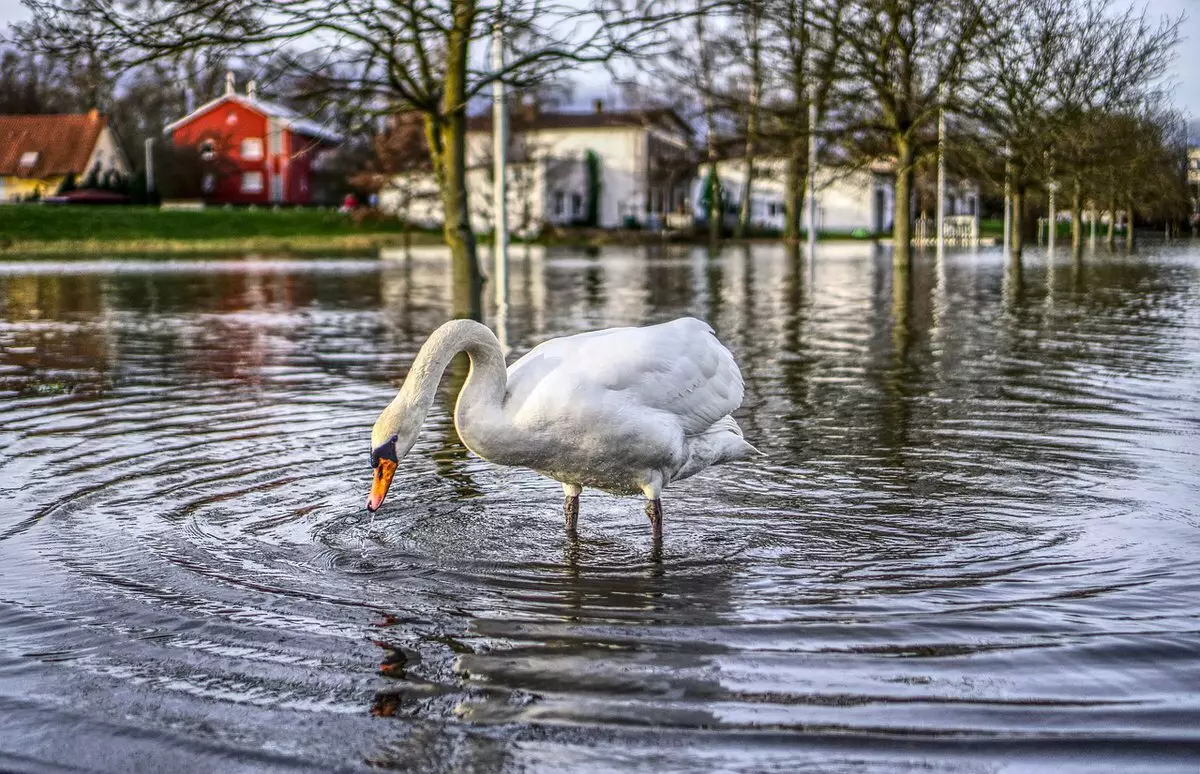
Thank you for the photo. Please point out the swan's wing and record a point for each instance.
(678, 368)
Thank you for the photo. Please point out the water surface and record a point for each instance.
(974, 543)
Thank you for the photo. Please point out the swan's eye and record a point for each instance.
(385, 451)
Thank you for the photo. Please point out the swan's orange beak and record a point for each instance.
(379, 487)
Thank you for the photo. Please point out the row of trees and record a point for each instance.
(1054, 81)
(1072, 90)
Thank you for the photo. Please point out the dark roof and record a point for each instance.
(63, 143)
(520, 119)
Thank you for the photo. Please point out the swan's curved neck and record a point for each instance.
(482, 397)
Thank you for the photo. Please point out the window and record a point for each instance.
(208, 183)
(29, 158)
(208, 150)
(252, 182)
(252, 148)
(576, 204)
(231, 118)
(560, 200)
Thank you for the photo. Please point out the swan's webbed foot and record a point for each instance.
(654, 512)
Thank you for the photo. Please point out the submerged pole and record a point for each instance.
(500, 190)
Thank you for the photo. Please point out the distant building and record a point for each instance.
(847, 200)
(259, 152)
(39, 152)
(639, 159)
(1193, 174)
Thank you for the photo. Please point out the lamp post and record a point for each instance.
(812, 170)
(500, 189)
(1007, 199)
(1052, 225)
(941, 174)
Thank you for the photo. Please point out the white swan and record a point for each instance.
(624, 410)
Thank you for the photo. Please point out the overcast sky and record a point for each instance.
(1185, 74)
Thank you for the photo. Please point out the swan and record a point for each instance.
(622, 410)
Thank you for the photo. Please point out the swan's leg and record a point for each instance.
(654, 511)
(652, 489)
(571, 506)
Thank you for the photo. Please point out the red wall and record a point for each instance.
(227, 124)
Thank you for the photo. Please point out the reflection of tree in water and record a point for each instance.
(71, 348)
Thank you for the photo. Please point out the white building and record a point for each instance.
(847, 200)
(641, 163)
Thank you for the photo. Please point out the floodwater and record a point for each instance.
(973, 543)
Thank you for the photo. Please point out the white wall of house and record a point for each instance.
(559, 190)
(108, 154)
(622, 155)
(846, 199)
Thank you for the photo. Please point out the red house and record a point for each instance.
(259, 152)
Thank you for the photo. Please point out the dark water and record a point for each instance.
(974, 545)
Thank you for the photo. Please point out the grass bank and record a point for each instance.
(27, 229)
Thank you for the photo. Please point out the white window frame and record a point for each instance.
(252, 148)
(29, 159)
(208, 183)
(208, 150)
(256, 188)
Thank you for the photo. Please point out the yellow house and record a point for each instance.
(38, 152)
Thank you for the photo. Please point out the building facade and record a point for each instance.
(848, 201)
(253, 151)
(635, 163)
(38, 153)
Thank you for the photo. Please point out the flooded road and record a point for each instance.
(974, 543)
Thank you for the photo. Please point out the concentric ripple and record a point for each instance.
(972, 542)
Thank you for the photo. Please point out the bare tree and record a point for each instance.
(904, 54)
(420, 55)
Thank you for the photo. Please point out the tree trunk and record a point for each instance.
(1130, 245)
(793, 195)
(1077, 220)
(1111, 239)
(743, 222)
(716, 207)
(1017, 237)
(902, 207)
(446, 134)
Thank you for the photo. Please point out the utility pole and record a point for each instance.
(812, 170)
(500, 190)
(941, 174)
(1007, 199)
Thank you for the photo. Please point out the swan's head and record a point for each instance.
(391, 438)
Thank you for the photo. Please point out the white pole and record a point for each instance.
(149, 166)
(1007, 198)
(941, 175)
(500, 191)
(812, 170)
(1052, 224)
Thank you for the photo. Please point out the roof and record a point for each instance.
(63, 143)
(290, 118)
(522, 120)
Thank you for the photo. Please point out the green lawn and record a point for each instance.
(43, 228)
